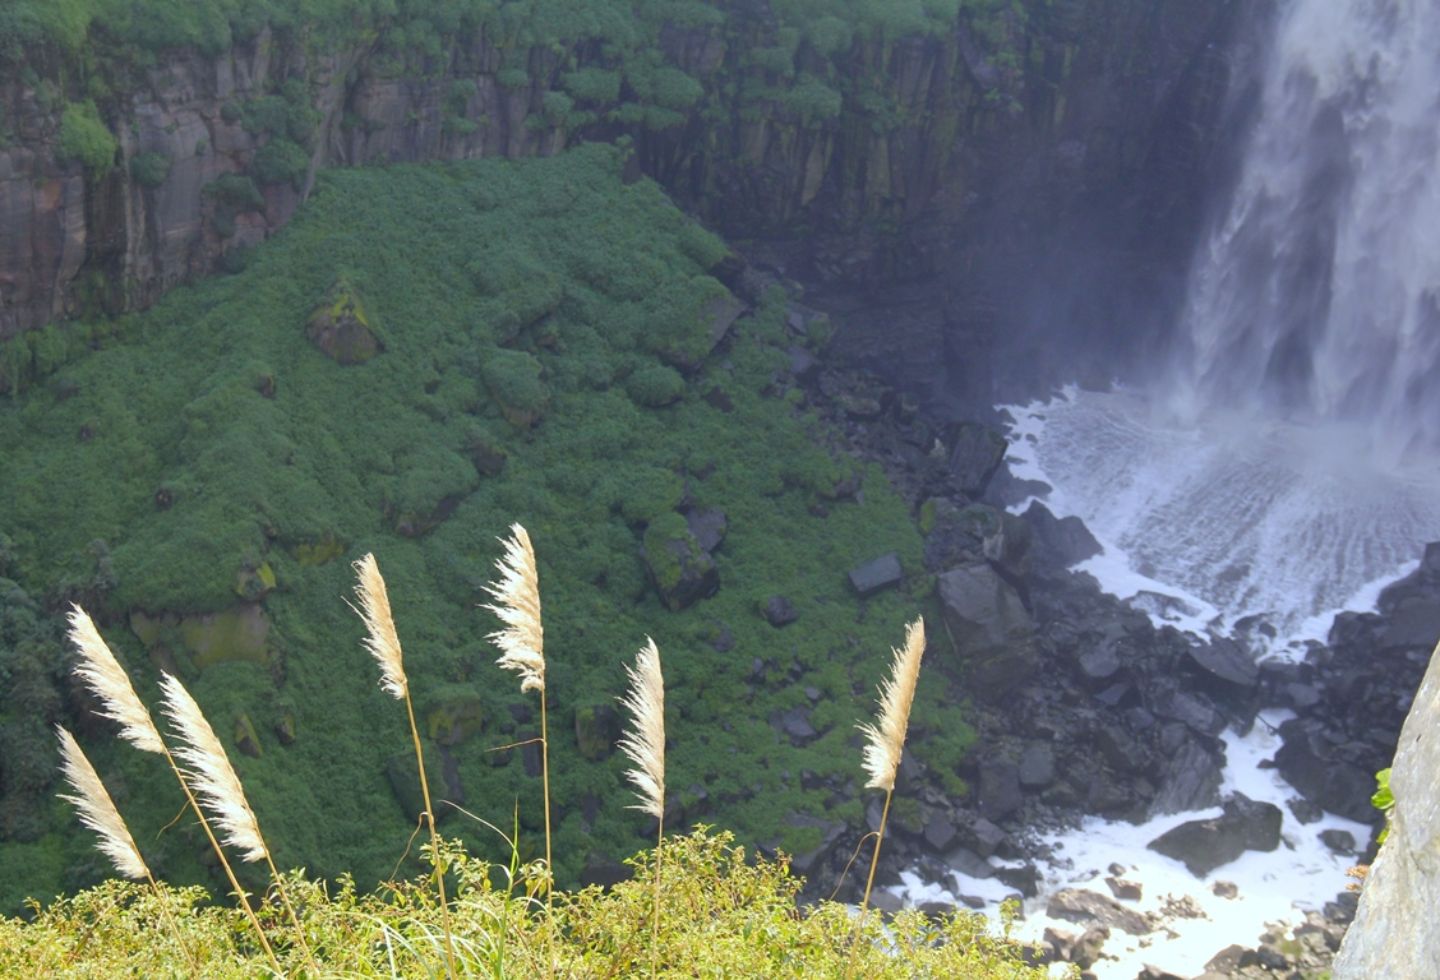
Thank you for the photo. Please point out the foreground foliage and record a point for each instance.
(723, 914)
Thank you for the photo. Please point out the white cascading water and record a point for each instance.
(1288, 456)
(1286, 462)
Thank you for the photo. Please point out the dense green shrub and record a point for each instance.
(269, 452)
(85, 139)
(281, 161)
(149, 169)
(655, 386)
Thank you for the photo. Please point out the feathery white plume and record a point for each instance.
(97, 810)
(209, 768)
(103, 674)
(645, 742)
(897, 693)
(382, 642)
(517, 603)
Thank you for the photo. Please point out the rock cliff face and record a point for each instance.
(1394, 933)
(936, 147)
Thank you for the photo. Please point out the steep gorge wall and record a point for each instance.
(887, 158)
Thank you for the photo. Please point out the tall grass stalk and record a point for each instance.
(383, 642)
(219, 787)
(101, 672)
(886, 740)
(644, 744)
(98, 812)
(522, 649)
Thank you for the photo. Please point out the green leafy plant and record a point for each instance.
(1383, 800)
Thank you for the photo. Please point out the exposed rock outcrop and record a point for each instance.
(1394, 929)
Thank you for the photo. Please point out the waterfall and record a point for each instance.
(1317, 296)
(1286, 458)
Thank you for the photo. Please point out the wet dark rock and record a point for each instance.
(1194, 710)
(1225, 660)
(976, 451)
(999, 794)
(982, 836)
(970, 864)
(1304, 811)
(1024, 879)
(779, 611)
(989, 623)
(1119, 750)
(1340, 841)
(1148, 972)
(1058, 542)
(1204, 845)
(1081, 905)
(939, 832)
(1191, 781)
(876, 574)
(1312, 764)
(1099, 663)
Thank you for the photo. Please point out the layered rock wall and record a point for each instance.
(930, 133)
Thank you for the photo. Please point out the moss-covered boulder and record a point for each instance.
(597, 727)
(455, 718)
(240, 633)
(342, 328)
(681, 570)
(247, 739)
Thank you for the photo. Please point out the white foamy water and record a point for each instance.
(1271, 887)
(1230, 516)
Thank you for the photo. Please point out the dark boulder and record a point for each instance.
(779, 611)
(1225, 660)
(1081, 905)
(976, 452)
(708, 526)
(680, 569)
(1190, 781)
(999, 794)
(1037, 766)
(1058, 542)
(1311, 763)
(991, 627)
(876, 574)
(1204, 845)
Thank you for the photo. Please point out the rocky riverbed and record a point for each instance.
(1084, 707)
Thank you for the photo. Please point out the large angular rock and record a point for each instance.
(1204, 845)
(991, 627)
(1191, 781)
(976, 453)
(876, 574)
(681, 570)
(1081, 905)
(1308, 761)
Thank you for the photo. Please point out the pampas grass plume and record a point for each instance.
(645, 742)
(97, 810)
(517, 604)
(382, 642)
(210, 768)
(886, 740)
(103, 674)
